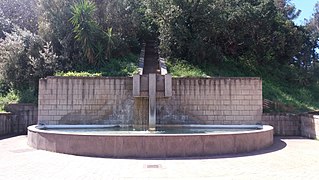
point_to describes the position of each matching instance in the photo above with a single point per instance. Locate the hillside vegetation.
(284, 95)
(41, 38)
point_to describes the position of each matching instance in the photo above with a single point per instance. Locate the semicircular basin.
(150, 145)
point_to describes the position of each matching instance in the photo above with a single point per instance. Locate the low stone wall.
(306, 125)
(25, 115)
(146, 145)
(284, 124)
(310, 126)
(17, 120)
(104, 100)
(6, 123)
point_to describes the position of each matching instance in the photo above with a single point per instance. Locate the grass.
(300, 98)
(179, 68)
(123, 66)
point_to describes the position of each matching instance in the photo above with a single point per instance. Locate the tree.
(117, 21)
(255, 32)
(312, 27)
(23, 13)
(287, 9)
(55, 27)
(25, 58)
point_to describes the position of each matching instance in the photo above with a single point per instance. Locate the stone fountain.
(146, 101)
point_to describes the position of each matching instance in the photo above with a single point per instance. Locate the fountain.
(149, 115)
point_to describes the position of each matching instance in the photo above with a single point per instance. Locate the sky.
(306, 7)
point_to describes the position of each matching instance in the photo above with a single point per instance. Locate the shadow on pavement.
(278, 145)
(8, 136)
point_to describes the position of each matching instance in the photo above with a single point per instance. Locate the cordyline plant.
(95, 43)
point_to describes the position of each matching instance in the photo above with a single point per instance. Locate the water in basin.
(158, 130)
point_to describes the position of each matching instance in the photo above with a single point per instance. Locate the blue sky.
(306, 7)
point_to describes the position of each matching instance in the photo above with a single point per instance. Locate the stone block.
(168, 85)
(55, 118)
(175, 146)
(52, 113)
(136, 85)
(154, 147)
(229, 118)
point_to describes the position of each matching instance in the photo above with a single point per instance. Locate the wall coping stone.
(129, 77)
(280, 114)
(221, 78)
(6, 113)
(82, 77)
(22, 104)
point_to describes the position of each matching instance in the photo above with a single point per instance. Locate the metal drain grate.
(153, 166)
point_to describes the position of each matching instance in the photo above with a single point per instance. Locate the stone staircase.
(151, 59)
(152, 82)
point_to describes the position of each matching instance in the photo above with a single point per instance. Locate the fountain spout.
(152, 101)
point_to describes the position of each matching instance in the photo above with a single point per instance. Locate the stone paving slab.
(288, 158)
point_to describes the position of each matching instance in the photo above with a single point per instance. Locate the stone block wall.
(306, 125)
(26, 115)
(101, 100)
(284, 124)
(212, 101)
(6, 123)
(310, 126)
(81, 100)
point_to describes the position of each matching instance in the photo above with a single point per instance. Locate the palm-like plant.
(86, 30)
(109, 36)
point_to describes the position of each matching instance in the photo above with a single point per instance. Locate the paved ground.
(288, 158)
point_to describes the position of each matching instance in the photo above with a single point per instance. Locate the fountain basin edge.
(150, 145)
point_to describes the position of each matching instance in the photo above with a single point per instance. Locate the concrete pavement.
(288, 158)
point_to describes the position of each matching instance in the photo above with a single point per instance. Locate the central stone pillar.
(152, 101)
(146, 88)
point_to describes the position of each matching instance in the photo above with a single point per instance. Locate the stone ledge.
(150, 145)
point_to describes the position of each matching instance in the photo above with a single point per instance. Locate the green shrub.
(4, 88)
(10, 97)
(77, 74)
(29, 95)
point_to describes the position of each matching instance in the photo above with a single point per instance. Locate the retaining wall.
(100, 100)
(212, 101)
(284, 124)
(310, 126)
(25, 115)
(6, 123)
(18, 118)
(306, 125)
(103, 100)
